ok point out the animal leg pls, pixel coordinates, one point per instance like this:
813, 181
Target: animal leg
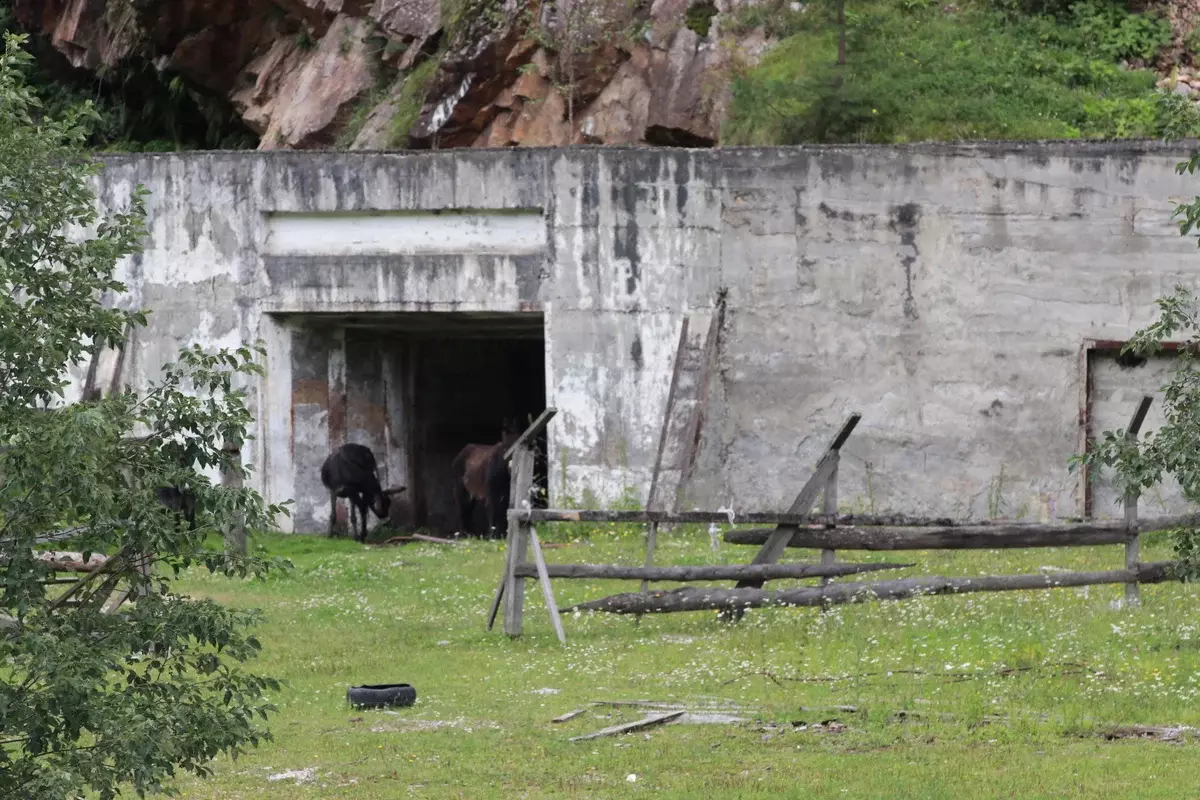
466, 507
362, 519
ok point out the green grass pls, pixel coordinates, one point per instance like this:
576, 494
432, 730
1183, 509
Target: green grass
917, 73
1007, 694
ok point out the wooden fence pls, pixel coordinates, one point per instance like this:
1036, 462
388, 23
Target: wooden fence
799, 527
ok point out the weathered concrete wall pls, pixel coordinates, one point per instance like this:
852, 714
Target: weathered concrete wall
943, 291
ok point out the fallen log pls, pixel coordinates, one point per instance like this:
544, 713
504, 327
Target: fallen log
973, 537
721, 572
703, 599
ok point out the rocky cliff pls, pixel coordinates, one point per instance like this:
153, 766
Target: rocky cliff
372, 74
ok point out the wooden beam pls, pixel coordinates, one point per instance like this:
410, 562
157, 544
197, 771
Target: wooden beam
720, 572
978, 537
863, 521
547, 591
697, 599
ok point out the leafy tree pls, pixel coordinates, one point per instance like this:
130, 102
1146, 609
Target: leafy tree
91, 702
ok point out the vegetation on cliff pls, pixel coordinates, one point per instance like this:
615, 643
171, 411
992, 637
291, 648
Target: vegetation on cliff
919, 70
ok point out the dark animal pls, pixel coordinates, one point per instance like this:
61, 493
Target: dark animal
181, 501
351, 472
481, 474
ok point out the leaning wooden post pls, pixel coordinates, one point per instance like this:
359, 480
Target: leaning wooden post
829, 555
1133, 592
231, 478
518, 540
778, 540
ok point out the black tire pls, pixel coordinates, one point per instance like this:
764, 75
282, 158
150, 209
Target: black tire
381, 695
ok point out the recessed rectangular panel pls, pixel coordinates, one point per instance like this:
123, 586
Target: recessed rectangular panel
521, 231
1116, 392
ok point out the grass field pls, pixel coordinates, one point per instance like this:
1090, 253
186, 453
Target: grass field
1005, 695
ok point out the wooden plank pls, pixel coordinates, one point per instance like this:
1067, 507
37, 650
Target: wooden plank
514, 589
646, 722
547, 592
533, 430
717, 572
976, 537
667, 413
704, 599
569, 715
1133, 593
691, 440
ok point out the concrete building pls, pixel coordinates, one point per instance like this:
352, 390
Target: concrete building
964, 299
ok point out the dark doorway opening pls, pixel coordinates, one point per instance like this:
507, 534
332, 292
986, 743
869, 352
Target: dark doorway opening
419, 386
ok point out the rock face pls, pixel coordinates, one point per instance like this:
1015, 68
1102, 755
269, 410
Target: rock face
377, 74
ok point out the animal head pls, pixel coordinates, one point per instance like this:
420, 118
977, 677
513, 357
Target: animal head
383, 501
510, 430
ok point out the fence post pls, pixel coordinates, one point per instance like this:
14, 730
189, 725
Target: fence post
829, 556
518, 540
1133, 592
651, 537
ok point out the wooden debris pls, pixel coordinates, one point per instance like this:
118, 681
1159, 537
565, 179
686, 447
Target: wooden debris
1162, 733
645, 722
663, 705
708, 718
699, 599
569, 715
416, 537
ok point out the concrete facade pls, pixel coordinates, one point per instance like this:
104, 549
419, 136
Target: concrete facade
949, 293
